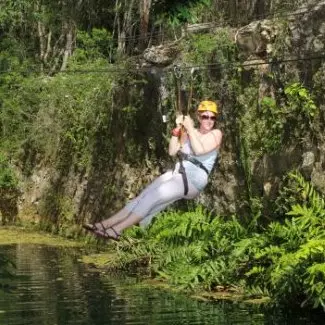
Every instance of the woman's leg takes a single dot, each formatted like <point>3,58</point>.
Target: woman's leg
<point>147,219</point>
<point>126,211</point>
<point>145,222</point>
<point>154,200</point>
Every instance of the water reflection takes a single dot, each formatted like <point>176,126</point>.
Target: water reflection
<point>53,288</point>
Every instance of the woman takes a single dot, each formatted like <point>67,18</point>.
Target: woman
<point>197,150</point>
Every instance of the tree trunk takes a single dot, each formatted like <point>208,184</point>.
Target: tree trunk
<point>41,32</point>
<point>124,25</point>
<point>144,7</point>
<point>69,40</point>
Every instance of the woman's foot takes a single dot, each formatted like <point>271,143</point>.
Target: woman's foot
<point>99,230</point>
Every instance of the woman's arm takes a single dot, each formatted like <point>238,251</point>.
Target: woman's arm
<point>175,141</point>
<point>202,144</point>
<point>174,145</point>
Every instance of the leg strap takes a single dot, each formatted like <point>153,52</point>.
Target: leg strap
<point>185,181</point>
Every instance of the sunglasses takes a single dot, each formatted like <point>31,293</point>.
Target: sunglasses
<point>208,117</point>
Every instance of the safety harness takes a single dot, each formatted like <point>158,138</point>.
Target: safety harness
<point>183,156</point>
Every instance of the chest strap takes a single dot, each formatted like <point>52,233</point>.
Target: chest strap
<point>193,160</point>
<point>183,156</point>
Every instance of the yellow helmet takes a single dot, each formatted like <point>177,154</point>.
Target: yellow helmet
<point>208,105</point>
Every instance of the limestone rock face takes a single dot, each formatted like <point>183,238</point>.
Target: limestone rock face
<point>304,36</point>
<point>161,55</point>
<point>256,38</point>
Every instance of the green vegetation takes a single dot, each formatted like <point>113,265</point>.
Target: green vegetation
<point>75,105</point>
<point>23,235</point>
<point>196,250</point>
<point>9,191</point>
<point>63,113</point>
<point>213,48</point>
<point>8,179</point>
<point>270,126</point>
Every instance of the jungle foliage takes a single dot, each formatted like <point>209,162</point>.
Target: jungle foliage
<point>41,36</point>
<point>283,260</point>
<point>277,124</point>
<point>72,101</point>
<point>9,190</point>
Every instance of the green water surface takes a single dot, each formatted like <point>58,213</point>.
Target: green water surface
<point>51,287</point>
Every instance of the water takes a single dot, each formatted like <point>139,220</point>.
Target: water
<point>53,288</point>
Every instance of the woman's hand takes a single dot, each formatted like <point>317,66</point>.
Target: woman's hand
<point>179,120</point>
<point>188,123</point>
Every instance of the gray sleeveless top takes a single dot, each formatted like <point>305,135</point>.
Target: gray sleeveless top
<point>196,175</point>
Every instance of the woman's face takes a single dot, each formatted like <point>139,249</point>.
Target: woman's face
<point>207,120</point>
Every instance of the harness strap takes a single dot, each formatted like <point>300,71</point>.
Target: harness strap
<point>193,160</point>
<point>183,156</point>
<point>183,173</point>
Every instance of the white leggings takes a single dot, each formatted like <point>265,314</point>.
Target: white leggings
<point>163,191</point>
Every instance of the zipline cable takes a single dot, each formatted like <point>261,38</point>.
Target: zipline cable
<point>210,66</point>
<point>247,64</point>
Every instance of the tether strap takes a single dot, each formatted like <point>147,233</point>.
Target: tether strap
<point>183,173</point>
<point>184,156</point>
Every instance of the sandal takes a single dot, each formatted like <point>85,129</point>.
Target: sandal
<point>102,232</point>
<point>116,236</point>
